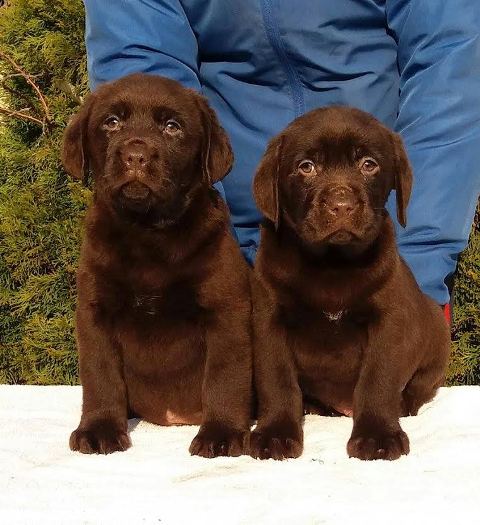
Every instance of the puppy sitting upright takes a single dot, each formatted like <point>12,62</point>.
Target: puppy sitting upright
<point>163,314</point>
<point>341,326</point>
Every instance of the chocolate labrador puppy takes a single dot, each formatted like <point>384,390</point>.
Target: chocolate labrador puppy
<point>163,314</point>
<point>340,324</point>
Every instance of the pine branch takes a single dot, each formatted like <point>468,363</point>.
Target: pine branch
<point>19,114</point>
<point>29,79</point>
<point>15,93</point>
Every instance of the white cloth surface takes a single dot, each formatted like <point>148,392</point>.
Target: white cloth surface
<point>157,481</point>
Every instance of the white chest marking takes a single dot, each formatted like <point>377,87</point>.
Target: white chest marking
<point>335,316</point>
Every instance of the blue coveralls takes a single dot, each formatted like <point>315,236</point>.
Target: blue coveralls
<point>414,64</point>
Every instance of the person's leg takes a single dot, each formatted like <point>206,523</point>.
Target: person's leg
<point>439,220</point>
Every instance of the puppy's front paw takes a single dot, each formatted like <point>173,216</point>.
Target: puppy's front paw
<point>378,445</point>
<point>100,437</point>
<point>277,441</point>
<point>215,439</point>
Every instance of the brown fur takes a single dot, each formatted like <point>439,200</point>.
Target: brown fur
<point>340,324</point>
<point>163,313</point>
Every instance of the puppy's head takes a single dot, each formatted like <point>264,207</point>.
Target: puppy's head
<point>150,144</point>
<point>328,176</point>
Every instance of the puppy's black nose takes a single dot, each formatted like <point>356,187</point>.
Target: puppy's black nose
<point>341,201</point>
<point>135,154</point>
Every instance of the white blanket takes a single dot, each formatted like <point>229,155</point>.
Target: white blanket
<point>156,481</point>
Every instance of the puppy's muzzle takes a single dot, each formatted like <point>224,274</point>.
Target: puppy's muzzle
<point>134,194</point>
<point>341,202</point>
<point>135,155</point>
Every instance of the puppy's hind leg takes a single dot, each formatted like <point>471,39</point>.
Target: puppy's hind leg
<point>312,406</point>
<point>422,388</point>
<point>430,376</point>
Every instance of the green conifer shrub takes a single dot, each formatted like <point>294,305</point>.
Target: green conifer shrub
<point>40,208</point>
<point>465,361</point>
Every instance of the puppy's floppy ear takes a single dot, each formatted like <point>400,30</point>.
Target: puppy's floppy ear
<point>217,154</point>
<point>74,149</point>
<point>403,178</point>
<point>265,183</point>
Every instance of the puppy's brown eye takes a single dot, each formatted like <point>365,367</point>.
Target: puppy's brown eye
<point>368,165</point>
<point>112,123</point>
<point>172,127</point>
<point>307,167</point>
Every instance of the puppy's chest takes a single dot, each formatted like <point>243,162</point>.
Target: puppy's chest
<point>154,296</point>
<point>300,317</point>
<point>177,301</point>
<point>322,336</point>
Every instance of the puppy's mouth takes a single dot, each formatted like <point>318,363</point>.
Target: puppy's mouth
<point>341,236</point>
<point>345,230</point>
<point>137,203</point>
<point>339,232</point>
<point>135,191</point>
<point>135,196</point>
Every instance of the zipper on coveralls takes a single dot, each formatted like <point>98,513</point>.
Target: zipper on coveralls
<point>273,33</point>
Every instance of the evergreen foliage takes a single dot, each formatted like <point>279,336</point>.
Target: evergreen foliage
<point>41,209</point>
<point>465,362</point>
<point>40,206</point>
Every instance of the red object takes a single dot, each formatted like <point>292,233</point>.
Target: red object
<point>446,311</point>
